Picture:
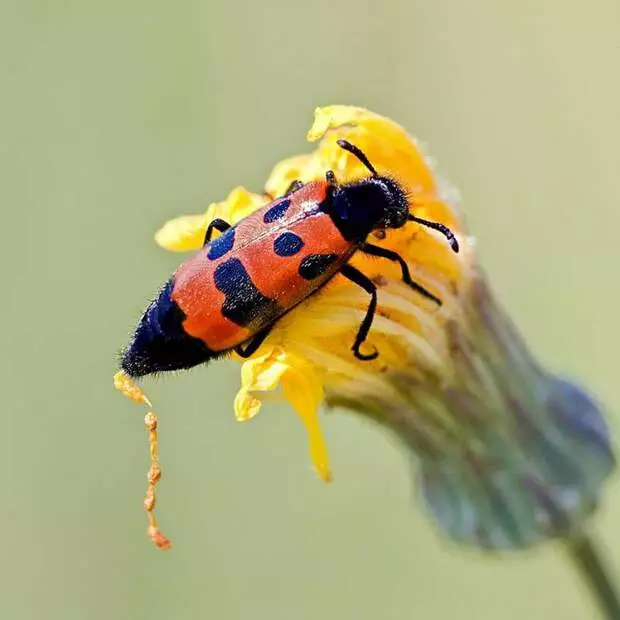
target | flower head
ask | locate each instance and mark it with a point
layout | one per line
(507, 453)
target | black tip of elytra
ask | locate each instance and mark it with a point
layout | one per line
(160, 343)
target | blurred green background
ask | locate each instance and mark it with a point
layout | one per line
(119, 115)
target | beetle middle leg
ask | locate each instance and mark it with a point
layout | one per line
(217, 224)
(375, 250)
(357, 277)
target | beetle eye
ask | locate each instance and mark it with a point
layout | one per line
(395, 217)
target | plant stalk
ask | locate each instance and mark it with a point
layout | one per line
(590, 564)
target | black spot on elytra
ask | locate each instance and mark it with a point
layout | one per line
(288, 244)
(313, 265)
(223, 244)
(244, 304)
(277, 211)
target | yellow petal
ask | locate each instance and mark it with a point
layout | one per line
(239, 204)
(335, 116)
(285, 172)
(182, 234)
(187, 233)
(261, 373)
(246, 405)
(303, 388)
(387, 145)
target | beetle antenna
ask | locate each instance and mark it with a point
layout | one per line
(354, 150)
(444, 230)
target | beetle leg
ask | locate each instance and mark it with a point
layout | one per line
(217, 224)
(253, 344)
(375, 250)
(357, 277)
(293, 187)
(331, 179)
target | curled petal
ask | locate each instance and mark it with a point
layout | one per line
(182, 234)
(287, 171)
(261, 373)
(246, 405)
(239, 204)
(381, 139)
(187, 233)
(302, 387)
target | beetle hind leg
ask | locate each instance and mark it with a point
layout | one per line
(252, 345)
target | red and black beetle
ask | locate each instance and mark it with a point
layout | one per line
(229, 295)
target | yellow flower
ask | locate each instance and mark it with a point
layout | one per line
(187, 233)
(317, 336)
(495, 436)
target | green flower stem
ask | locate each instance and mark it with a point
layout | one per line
(588, 561)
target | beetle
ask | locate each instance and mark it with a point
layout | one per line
(229, 295)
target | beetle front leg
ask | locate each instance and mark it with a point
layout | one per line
(293, 187)
(375, 250)
(217, 224)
